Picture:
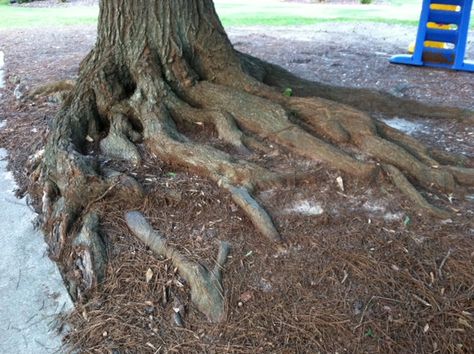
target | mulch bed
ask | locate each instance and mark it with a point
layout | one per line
(366, 274)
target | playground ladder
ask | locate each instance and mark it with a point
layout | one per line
(452, 32)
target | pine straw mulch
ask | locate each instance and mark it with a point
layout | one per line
(342, 284)
(368, 275)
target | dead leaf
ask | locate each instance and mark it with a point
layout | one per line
(464, 322)
(148, 275)
(246, 296)
(150, 345)
(345, 276)
(340, 183)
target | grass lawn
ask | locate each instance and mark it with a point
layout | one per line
(232, 13)
(18, 17)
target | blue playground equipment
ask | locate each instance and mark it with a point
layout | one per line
(442, 36)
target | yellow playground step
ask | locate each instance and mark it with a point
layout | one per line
(431, 44)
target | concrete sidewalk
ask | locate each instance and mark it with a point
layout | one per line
(32, 292)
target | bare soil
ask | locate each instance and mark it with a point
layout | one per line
(361, 272)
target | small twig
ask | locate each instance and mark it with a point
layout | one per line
(368, 304)
(41, 344)
(363, 313)
(102, 196)
(387, 299)
(424, 302)
(440, 272)
(346, 275)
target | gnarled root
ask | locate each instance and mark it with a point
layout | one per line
(88, 257)
(366, 100)
(163, 139)
(60, 88)
(119, 103)
(271, 121)
(119, 142)
(207, 292)
(343, 127)
(407, 188)
(259, 217)
(65, 197)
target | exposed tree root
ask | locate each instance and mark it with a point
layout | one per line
(407, 188)
(89, 257)
(254, 211)
(366, 100)
(62, 88)
(270, 120)
(119, 143)
(207, 292)
(338, 123)
(142, 92)
(313, 128)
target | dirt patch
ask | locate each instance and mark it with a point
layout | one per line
(361, 271)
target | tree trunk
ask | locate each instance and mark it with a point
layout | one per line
(164, 63)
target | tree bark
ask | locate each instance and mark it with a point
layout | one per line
(158, 64)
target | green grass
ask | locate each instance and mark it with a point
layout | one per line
(237, 14)
(326, 14)
(231, 12)
(295, 21)
(20, 17)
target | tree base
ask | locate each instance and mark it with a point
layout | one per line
(139, 100)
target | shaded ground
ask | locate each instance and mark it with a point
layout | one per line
(357, 55)
(362, 272)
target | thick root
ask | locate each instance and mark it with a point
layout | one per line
(224, 123)
(407, 142)
(207, 292)
(464, 176)
(407, 188)
(343, 124)
(366, 100)
(259, 217)
(65, 195)
(119, 143)
(338, 123)
(133, 92)
(393, 154)
(60, 88)
(89, 258)
(162, 138)
(429, 156)
(269, 120)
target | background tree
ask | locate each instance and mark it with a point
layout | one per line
(161, 66)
